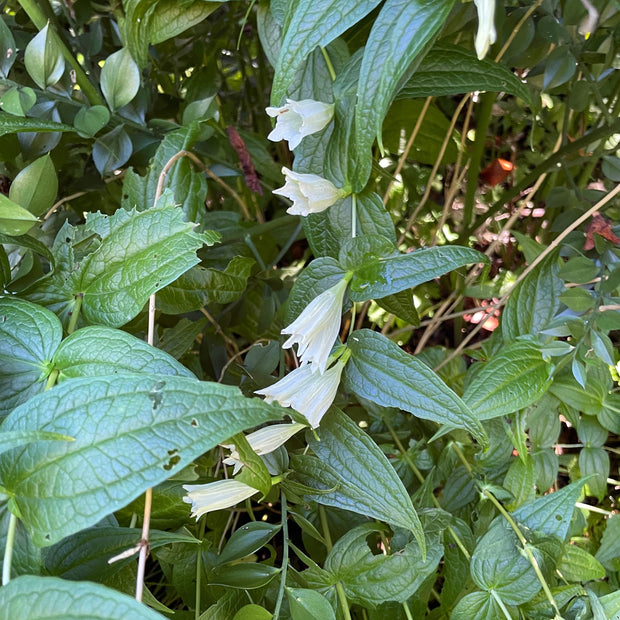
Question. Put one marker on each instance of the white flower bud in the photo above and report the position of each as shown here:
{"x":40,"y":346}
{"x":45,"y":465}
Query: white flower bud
{"x":216,"y":495}
{"x":298,"y":119}
{"x":486,"y":34}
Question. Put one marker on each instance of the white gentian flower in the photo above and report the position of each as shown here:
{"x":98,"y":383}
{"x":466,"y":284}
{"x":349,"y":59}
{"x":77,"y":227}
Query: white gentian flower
{"x":310,"y":393}
{"x":216,"y":495}
{"x":298,"y":119}
{"x":486,"y":34}
{"x":310,"y":193}
{"x":263,"y":441}
{"x":316,"y":328}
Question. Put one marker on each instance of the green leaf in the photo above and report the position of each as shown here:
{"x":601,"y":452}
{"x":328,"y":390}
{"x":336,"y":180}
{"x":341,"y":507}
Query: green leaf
{"x":611,"y":604}
{"x":29,"y":337}
{"x":594,"y":464}
{"x":560,"y":66}
{"x":88,"y":121}
{"x":577,"y":299}
{"x":16,"y":439}
{"x":120,"y":79}
{"x":310,"y":23}
{"x":36,"y":186}
{"x":345,"y":456}
{"x":533,"y":303}
{"x":247,"y":575}
{"x":8,"y":51}
{"x":84,"y":555}
{"x":40,"y":598}
{"x":608,"y":553}
{"x":452,"y":70}
{"x":27,"y":558}
{"x":399,"y":36}
{"x":591,"y":399}
{"x":144,"y":252}
{"x":379,"y":278}
{"x":380,"y":371}
{"x":131,"y":432}
{"x":576,"y":564}
{"x":96,"y":351}
{"x":512,"y":379}
{"x":253,"y":612}
{"x":14,"y":220}
{"x":248,"y":539}
{"x":254,"y":472}
{"x":112,"y":150}
{"x":401,"y":305}
{"x":479,"y":605}
{"x":520,"y":479}
{"x":202,"y":286}
{"x":43,"y":58}
{"x":15,"y":124}
{"x":308,"y":605}
{"x":18,"y":100}
{"x":370,"y":579}
{"x":154,"y":21}
{"x":578,"y":269}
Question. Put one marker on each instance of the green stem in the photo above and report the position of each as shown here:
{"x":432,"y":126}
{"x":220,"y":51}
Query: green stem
{"x":353,"y":215}
{"x":8,"y":550}
{"x":51,"y":380}
{"x":501,"y":604}
{"x":484,"y":118}
{"x":526,"y":547}
{"x":201,"y":534}
{"x":407,"y":611}
{"x":328,"y":62}
{"x":276,"y":611}
{"x":39,"y":19}
{"x":75,"y":313}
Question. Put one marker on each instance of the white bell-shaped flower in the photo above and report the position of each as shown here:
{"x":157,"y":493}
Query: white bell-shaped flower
{"x":316,"y":328}
{"x":310,"y":393}
{"x":486,"y":34}
{"x":263,"y":441}
{"x":298,"y":119}
{"x":216,"y":495}
{"x":310,"y":193}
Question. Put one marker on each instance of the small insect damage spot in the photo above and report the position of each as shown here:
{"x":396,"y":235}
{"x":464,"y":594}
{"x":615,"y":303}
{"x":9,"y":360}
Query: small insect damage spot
{"x":175,"y":457}
{"x":194,"y":423}
{"x":155,"y":394}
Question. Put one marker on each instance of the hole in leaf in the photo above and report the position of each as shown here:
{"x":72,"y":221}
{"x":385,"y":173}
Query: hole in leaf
{"x":194,"y":423}
{"x":175,"y":457}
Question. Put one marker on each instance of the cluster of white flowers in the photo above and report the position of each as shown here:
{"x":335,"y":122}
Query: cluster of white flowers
{"x":311,"y":388}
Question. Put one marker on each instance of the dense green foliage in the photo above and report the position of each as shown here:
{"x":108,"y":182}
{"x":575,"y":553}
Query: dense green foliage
{"x":443,"y":440}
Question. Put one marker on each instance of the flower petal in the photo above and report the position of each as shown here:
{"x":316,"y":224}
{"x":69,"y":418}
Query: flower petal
{"x":216,"y":495}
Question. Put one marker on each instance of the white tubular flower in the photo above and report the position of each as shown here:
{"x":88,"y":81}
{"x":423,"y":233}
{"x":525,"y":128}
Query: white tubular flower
{"x":316,"y":328}
{"x":216,"y":495}
{"x":310,"y":393}
{"x":263,"y":441}
{"x":310,"y":193}
{"x":486,"y":34}
{"x":298,"y":119}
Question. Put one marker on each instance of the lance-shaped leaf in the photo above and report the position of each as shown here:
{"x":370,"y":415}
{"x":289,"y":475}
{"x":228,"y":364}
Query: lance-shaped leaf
{"x":345,"y":456}
{"x":14,"y":219}
{"x":120,"y":79}
{"x":29,"y":336}
{"x":131,"y":432}
{"x":514,"y":378}
{"x":380,"y":277}
{"x":400,"y":35}
{"x":36,"y":186}
{"x":43,"y":58}
{"x":380,"y":371}
{"x":16,"y":124}
{"x":39,"y":598}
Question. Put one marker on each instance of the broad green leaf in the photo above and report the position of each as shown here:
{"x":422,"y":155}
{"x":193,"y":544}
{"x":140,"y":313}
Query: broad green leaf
{"x":246,"y":575}
{"x":532,"y":305}
{"x":328,"y":230}
{"x":520,"y":479}
{"x":401,"y":305}
{"x":29,"y":337}
{"x":16,"y":439}
{"x":498,"y":565}
{"x":96,"y":351}
{"x":84,"y":555}
{"x":131,"y":432}
{"x":576,"y":564}
{"x":8,"y":51}
{"x":360,"y":250}
{"x":120,"y":79}
{"x":371,"y":579}
{"x":578,"y":269}
{"x":310,"y":23}
{"x":112,"y":150}
{"x":16,"y":124}
{"x":452,"y":70}
{"x":202,"y":286}
{"x":254,"y":472}
{"x":36,"y":186}
{"x":42,"y":598}
{"x":14,"y":219}
{"x":345,"y":456}
{"x":43,"y":58}
{"x":380,"y":371}
{"x":481,"y":606}
{"x":27,"y":558}
{"x":611,"y":605}
{"x":608,"y":553}
{"x":591,"y":399}
{"x":577,"y":299}
{"x":594,"y":464}
{"x":308,"y":605}
{"x":512,"y":379}
{"x":253,"y":612}
{"x":154,"y":21}
{"x":399,"y":37}
{"x":144,"y":252}
{"x":386,"y":276}
{"x":551,"y":514}
{"x":560,"y":66}
{"x":88,"y":121}
{"x":248,"y":539}
{"x":18,"y":100}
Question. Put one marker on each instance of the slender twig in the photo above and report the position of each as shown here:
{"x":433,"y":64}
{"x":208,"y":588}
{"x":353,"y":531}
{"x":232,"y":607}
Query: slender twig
{"x":8,"y":549}
{"x":284,"y":521}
